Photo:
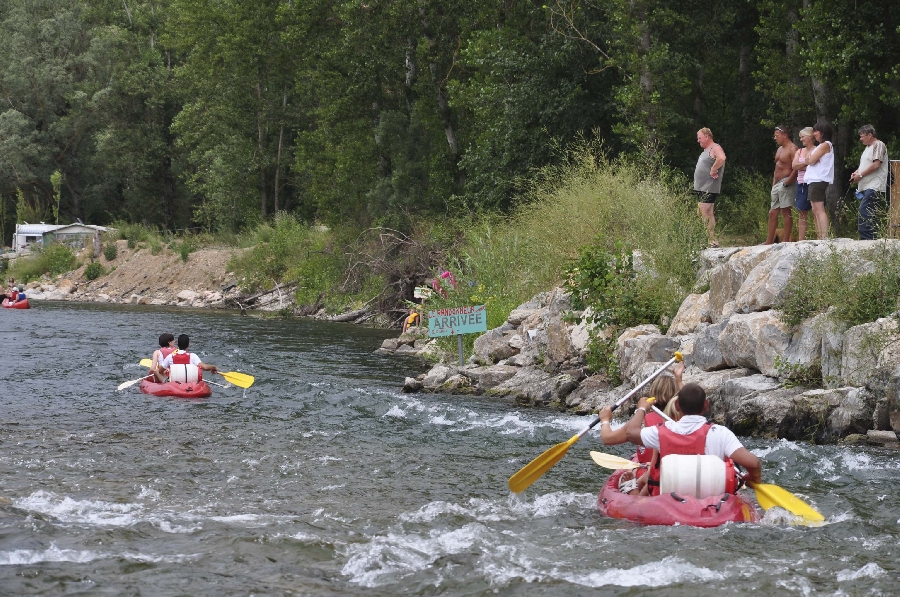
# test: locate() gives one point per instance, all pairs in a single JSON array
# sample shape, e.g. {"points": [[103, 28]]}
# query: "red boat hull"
{"points": [[669, 510], [18, 305], [198, 389]]}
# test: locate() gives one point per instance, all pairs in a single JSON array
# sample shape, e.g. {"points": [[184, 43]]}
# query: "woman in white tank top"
{"points": [[819, 174]]}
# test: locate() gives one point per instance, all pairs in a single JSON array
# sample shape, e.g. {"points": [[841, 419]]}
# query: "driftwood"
{"points": [[349, 315]]}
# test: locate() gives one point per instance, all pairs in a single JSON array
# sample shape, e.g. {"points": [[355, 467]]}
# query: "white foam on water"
{"points": [[515, 508], [148, 493], [440, 420], [167, 526], [549, 504], [20, 557], [389, 558], [796, 584], [95, 512], [396, 412], [870, 570], [668, 571], [332, 487]]}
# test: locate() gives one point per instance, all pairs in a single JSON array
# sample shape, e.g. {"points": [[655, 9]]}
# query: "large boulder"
{"points": [[535, 387], [854, 414], [712, 381], [867, 348], [765, 284], [833, 332], [771, 347], [646, 348], [707, 349], [559, 344], [726, 280], [739, 338], [436, 376], [727, 399], [582, 399], [486, 378], [694, 310], [493, 346]]}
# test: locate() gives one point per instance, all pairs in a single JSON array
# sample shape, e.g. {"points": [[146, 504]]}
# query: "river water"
{"points": [[324, 479]]}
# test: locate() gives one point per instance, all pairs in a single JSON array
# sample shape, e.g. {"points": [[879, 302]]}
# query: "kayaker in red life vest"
{"points": [[690, 435], [166, 347], [183, 357]]}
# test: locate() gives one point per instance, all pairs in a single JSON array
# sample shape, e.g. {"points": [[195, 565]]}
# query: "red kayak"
{"points": [[672, 509], [23, 304], [175, 389]]}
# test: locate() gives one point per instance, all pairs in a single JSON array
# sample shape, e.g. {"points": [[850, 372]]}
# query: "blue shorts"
{"points": [[802, 203]]}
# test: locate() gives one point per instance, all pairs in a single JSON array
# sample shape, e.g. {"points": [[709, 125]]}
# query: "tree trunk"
{"points": [[280, 145], [260, 136], [70, 178], [440, 96]]}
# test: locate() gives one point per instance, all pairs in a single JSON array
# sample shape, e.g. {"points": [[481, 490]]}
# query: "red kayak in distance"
{"points": [[23, 304], [670, 509], [174, 389]]}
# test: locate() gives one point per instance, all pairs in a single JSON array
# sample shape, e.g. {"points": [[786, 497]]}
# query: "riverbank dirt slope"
{"points": [[137, 276]]}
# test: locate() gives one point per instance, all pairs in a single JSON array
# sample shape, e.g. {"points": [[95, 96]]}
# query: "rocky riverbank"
{"points": [[734, 345]]}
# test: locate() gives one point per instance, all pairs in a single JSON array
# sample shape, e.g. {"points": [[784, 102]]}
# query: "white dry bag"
{"points": [[184, 373], [692, 475]]}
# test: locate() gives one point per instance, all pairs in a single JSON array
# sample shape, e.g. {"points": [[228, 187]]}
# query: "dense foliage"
{"points": [[181, 113]]}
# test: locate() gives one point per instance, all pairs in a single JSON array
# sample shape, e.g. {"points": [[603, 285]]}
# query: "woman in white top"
{"points": [[808, 145], [820, 174]]}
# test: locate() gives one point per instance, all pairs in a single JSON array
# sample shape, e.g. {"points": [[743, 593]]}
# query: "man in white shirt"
{"points": [[871, 181], [183, 357], [692, 432]]}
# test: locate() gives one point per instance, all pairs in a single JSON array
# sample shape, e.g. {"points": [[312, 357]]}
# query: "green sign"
{"points": [[457, 320]]}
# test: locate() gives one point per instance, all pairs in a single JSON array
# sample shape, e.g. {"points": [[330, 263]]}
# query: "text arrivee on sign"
{"points": [[457, 320]]}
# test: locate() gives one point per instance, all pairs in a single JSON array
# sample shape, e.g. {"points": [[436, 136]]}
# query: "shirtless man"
{"points": [[782, 185]]}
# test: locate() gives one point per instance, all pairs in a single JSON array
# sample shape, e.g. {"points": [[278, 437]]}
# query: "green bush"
{"points": [[110, 251], [619, 297], [94, 270], [53, 260], [860, 287]]}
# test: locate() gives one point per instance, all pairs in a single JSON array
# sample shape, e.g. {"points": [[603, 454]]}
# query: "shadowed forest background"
{"points": [[218, 114]]}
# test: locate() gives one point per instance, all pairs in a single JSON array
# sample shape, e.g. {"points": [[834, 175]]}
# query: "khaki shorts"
{"points": [[782, 196]]}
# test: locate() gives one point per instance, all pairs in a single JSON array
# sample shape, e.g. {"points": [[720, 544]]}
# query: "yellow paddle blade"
{"points": [[772, 495], [241, 380], [613, 462], [146, 362], [532, 471]]}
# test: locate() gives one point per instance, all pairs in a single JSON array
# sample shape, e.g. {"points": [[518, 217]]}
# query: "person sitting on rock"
{"points": [[693, 434], [166, 347], [412, 319], [188, 364]]}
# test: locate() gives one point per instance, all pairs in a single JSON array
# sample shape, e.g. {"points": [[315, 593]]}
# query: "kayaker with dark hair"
{"points": [[693, 434], [166, 347], [189, 364]]}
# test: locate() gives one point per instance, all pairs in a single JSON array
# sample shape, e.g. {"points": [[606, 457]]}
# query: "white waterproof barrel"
{"points": [[696, 476], [184, 373]]}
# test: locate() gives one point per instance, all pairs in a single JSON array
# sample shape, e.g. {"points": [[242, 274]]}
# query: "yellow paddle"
{"points": [[772, 495], [613, 462], [241, 380], [532, 471]]}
